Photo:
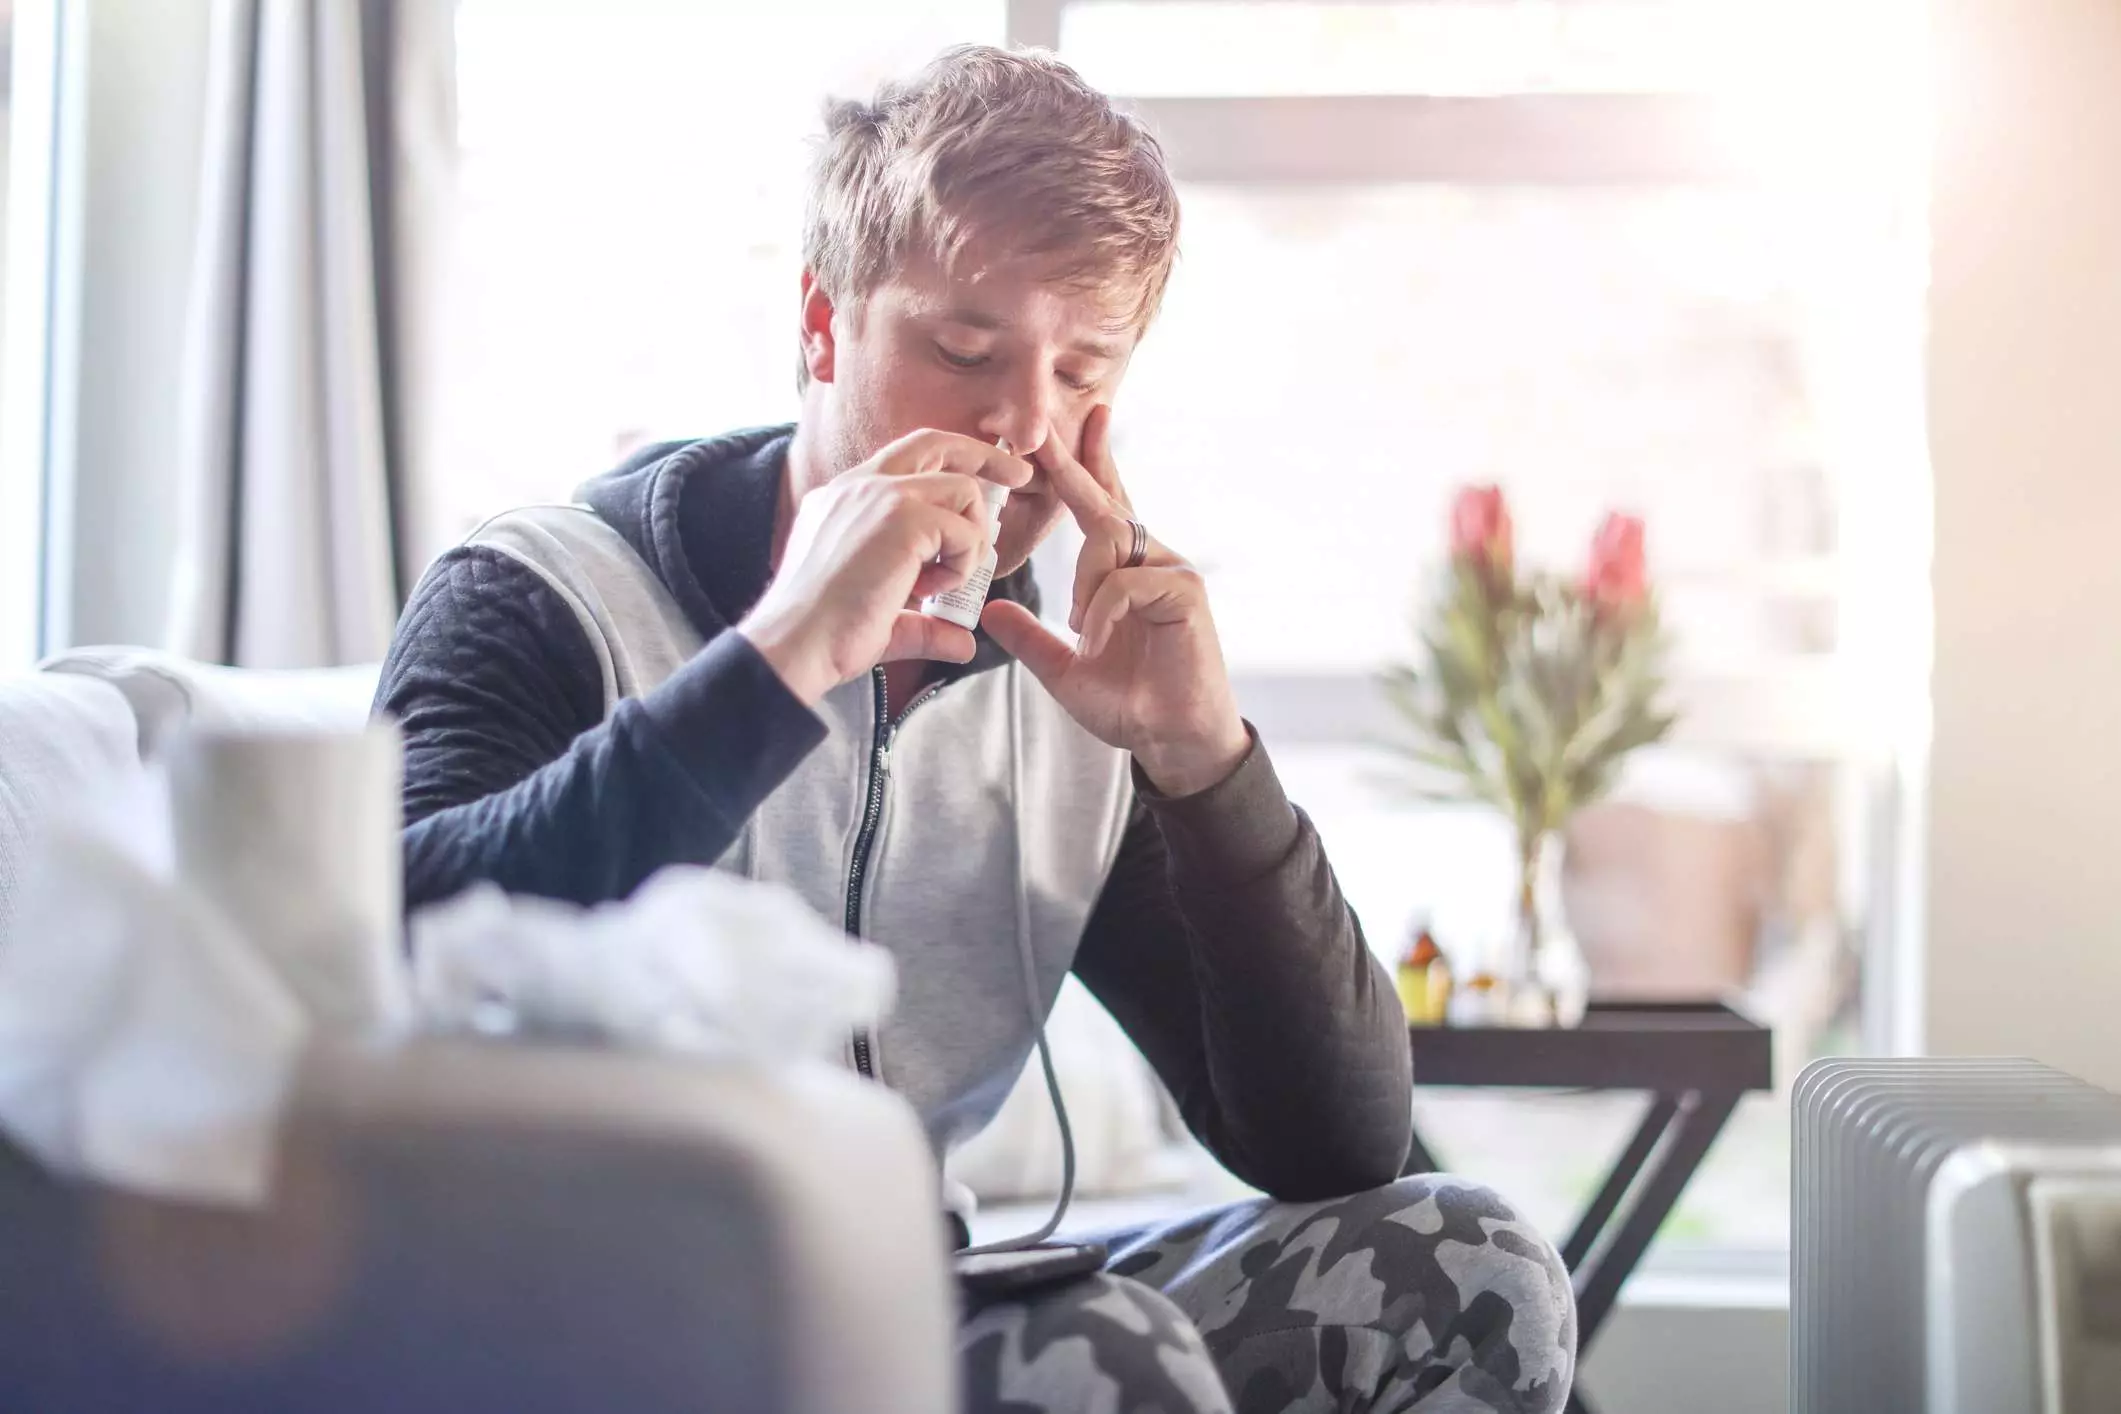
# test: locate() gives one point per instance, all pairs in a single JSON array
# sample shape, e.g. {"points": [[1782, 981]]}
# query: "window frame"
{"points": [[47, 87]]}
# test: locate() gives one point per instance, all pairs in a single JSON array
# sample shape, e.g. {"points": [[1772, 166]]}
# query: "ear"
{"points": [[819, 348]]}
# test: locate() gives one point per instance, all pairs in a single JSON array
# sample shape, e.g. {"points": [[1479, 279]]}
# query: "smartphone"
{"points": [[987, 1276]]}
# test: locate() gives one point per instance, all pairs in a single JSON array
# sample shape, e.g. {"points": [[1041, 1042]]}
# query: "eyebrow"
{"points": [[981, 319]]}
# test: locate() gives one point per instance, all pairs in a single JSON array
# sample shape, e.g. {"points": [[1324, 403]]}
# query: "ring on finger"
{"points": [[1138, 553]]}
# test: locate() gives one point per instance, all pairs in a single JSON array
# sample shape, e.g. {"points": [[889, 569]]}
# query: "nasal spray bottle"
{"points": [[962, 605]]}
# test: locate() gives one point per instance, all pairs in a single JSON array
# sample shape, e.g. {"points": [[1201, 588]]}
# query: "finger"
{"points": [[1107, 543], [1077, 488], [950, 490], [1097, 456], [916, 635], [1100, 556], [1025, 639], [943, 537], [938, 579], [1161, 595], [931, 449]]}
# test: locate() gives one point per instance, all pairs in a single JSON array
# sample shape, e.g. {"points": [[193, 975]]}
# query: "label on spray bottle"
{"points": [[962, 605]]}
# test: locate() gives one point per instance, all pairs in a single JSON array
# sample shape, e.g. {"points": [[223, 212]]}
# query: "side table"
{"points": [[1694, 1058]]}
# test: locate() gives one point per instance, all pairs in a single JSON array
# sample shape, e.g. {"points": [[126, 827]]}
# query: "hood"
{"points": [[701, 513]]}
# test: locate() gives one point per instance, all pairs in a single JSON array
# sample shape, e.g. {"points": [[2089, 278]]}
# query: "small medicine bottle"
{"points": [[962, 605], [1425, 980]]}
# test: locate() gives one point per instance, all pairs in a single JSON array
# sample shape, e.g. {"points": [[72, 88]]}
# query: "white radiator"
{"points": [[1956, 1243]]}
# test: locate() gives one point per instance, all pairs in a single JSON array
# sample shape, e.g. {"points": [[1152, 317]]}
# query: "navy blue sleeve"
{"points": [[512, 773]]}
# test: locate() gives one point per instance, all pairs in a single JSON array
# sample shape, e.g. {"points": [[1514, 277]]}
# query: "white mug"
{"points": [[294, 837]]}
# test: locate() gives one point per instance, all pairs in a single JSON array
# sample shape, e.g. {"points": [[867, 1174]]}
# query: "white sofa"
{"points": [[465, 1226]]}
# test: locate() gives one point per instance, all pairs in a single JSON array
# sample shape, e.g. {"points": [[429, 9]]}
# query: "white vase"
{"points": [[1551, 960], [1559, 963]]}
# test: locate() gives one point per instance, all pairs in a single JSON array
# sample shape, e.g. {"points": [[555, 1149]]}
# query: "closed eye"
{"points": [[956, 360]]}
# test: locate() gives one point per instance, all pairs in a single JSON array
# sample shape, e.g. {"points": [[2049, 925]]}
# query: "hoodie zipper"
{"points": [[865, 838]]}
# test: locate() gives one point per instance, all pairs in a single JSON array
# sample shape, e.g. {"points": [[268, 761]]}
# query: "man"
{"points": [[718, 659]]}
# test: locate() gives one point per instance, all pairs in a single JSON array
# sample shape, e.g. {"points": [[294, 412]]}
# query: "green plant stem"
{"points": [[1530, 845]]}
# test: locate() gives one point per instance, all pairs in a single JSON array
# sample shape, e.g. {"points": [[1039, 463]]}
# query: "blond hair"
{"points": [[987, 142]]}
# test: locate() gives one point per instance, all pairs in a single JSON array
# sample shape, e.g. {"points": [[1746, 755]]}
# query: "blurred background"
{"points": [[1829, 293]]}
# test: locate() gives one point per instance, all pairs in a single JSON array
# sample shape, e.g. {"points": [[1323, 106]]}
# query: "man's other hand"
{"points": [[1147, 673]]}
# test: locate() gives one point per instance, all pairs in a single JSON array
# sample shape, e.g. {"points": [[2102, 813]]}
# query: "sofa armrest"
{"points": [[169, 693], [461, 1226]]}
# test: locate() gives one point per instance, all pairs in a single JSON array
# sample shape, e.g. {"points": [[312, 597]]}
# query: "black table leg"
{"points": [[1602, 1207], [1701, 1118], [1691, 1124]]}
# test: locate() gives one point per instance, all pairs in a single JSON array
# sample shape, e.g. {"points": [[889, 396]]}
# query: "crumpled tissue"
{"points": [[696, 961]]}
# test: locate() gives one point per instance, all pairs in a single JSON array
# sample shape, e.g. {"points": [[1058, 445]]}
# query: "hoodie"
{"points": [[576, 716]]}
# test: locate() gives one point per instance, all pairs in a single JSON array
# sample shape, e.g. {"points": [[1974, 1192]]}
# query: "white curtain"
{"points": [[329, 126]]}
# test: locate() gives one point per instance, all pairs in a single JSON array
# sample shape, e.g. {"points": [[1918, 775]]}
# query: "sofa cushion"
{"points": [[60, 739], [168, 693]]}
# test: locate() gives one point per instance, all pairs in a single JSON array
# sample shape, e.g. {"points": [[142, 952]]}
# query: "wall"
{"points": [[2024, 892], [1684, 1353], [146, 77]]}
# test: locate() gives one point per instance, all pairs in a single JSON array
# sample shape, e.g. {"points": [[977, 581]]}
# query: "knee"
{"points": [[1099, 1343], [1449, 1208], [1439, 1247], [1493, 1258], [1431, 1203]]}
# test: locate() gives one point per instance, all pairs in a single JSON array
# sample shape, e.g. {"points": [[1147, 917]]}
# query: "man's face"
{"points": [[996, 349]]}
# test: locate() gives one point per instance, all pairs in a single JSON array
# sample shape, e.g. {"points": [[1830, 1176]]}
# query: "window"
{"points": [[1584, 346], [1663, 254], [629, 236], [1600, 253]]}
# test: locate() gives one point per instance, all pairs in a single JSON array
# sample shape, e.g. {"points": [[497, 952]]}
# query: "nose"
{"points": [[1022, 414]]}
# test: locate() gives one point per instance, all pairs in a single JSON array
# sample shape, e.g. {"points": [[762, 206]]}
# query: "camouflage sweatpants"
{"points": [[1426, 1296]]}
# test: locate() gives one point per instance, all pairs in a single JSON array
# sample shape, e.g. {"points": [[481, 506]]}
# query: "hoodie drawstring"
{"points": [[1030, 968]]}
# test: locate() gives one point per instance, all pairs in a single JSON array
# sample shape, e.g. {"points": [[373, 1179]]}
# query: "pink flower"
{"points": [[1618, 579], [1481, 531]]}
